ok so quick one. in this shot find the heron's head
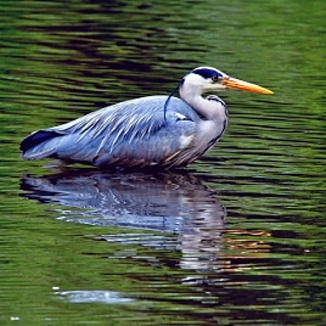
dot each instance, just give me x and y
(206, 79)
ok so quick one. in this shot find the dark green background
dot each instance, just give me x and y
(62, 59)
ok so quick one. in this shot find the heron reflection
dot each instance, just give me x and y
(167, 202)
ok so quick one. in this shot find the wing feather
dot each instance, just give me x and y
(132, 133)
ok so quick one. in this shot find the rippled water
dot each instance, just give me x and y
(236, 239)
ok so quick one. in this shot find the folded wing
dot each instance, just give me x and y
(131, 133)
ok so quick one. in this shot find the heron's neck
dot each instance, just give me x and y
(207, 109)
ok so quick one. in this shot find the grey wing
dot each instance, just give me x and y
(131, 133)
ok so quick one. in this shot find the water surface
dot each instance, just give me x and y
(236, 239)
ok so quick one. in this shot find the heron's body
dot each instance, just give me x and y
(138, 133)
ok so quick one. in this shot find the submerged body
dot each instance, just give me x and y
(127, 135)
(157, 131)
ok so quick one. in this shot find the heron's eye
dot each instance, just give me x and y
(216, 78)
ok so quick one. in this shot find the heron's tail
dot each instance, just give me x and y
(40, 144)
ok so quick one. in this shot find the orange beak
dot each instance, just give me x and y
(240, 85)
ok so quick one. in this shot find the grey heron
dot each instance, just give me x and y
(158, 131)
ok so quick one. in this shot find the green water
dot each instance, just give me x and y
(238, 239)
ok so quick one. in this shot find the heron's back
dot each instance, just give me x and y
(131, 133)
